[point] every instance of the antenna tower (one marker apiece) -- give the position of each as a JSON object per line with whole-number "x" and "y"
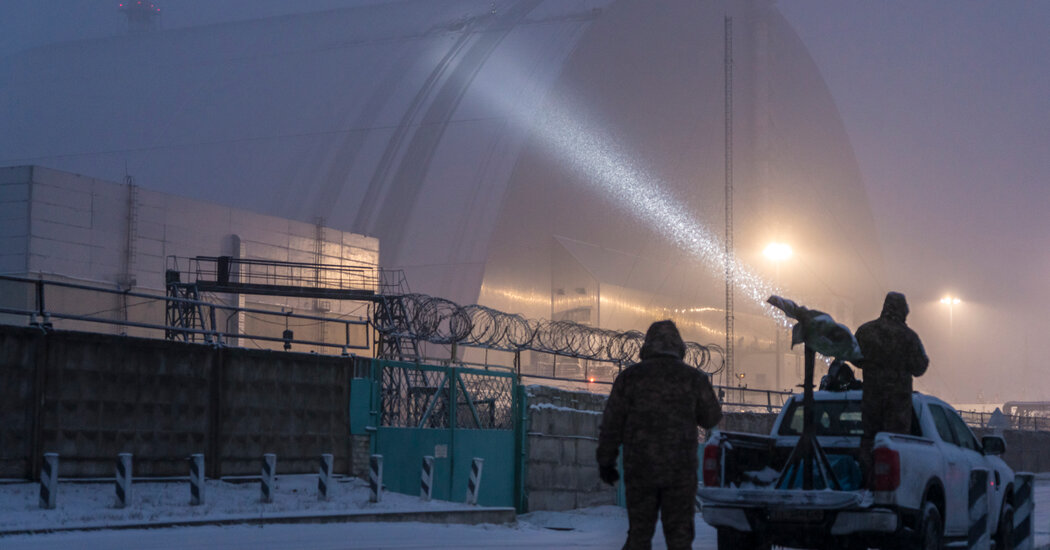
{"x": 729, "y": 198}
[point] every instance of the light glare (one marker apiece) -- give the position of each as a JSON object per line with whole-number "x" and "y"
{"x": 778, "y": 252}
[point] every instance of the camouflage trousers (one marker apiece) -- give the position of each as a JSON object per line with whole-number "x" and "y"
{"x": 676, "y": 508}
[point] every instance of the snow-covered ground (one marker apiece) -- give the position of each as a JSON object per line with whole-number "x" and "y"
{"x": 91, "y": 505}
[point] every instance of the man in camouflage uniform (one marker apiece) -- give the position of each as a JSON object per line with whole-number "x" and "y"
{"x": 893, "y": 354}
{"x": 653, "y": 411}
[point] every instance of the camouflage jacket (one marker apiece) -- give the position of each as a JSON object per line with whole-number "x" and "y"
{"x": 893, "y": 354}
{"x": 653, "y": 410}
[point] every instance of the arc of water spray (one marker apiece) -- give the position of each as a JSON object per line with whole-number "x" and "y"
{"x": 608, "y": 167}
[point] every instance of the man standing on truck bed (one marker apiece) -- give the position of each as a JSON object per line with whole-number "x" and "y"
{"x": 653, "y": 411}
{"x": 893, "y": 354}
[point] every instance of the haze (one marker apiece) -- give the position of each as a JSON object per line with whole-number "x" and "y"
{"x": 945, "y": 105}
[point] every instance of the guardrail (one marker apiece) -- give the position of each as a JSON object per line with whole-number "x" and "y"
{"x": 976, "y": 419}
{"x": 144, "y": 312}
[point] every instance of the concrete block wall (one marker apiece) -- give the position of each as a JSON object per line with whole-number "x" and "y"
{"x": 747, "y": 422}
{"x": 91, "y": 396}
{"x": 561, "y": 472}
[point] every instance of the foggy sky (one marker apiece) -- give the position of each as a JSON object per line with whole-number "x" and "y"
{"x": 945, "y": 104}
{"x": 946, "y": 107}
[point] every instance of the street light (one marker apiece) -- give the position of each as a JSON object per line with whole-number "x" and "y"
{"x": 776, "y": 253}
{"x": 951, "y": 302}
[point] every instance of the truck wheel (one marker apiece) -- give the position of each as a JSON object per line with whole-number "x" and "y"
{"x": 931, "y": 532}
{"x": 1004, "y": 535}
{"x": 731, "y": 539}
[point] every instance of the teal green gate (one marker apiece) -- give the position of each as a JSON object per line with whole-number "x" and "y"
{"x": 454, "y": 414}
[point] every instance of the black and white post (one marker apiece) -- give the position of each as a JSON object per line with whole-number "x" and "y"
{"x": 426, "y": 478}
{"x": 474, "y": 483}
{"x": 196, "y": 479}
{"x": 1023, "y": 536}
{"x": 123, "y": 480}
{"x": 324, "y": 476}
{"x": 978, "y": 536}
{"x": 375, "y": 478}
{"x": 49, "y": 481}
{"x": 266, "y": 485}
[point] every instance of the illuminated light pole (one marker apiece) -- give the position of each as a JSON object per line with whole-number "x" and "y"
{"x": 951, "y": 302}
{"x": 777, "y": 253}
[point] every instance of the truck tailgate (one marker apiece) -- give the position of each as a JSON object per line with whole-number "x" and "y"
{"x": 783, "y": 498}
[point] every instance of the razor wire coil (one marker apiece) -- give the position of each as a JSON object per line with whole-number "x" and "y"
{"x": 442, "y": 321}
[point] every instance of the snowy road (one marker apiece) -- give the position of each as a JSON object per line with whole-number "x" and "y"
{"x": 601, "y": 527}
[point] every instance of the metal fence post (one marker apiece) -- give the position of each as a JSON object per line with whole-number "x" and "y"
{"x": 123, "y": 479}
{"x": 375, "y": 478}
{"x": 426, "y": 478}
{"x": 1023, "y": 535}
{"x": 196, "y": 479}
{"x": 978, "y": 538}
{"x": 474, "y": 483}
{"x": 324, "y": 477}
{"x": 49, "y": 481}
{"x": 268, "y": 468}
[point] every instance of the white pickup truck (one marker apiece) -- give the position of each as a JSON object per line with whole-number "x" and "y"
{"x": 919, "y": 496}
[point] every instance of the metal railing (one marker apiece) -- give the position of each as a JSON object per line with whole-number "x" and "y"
{"x": 42, "y": 304}
{"x": 976, "y": 419}
{"x": 226, "y": 270}
{"x": 45, "y": 307}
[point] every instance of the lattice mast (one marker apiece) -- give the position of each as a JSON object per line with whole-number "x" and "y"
{"x": 729, "y": 197}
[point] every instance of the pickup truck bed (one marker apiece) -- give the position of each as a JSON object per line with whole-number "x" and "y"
{"x": 918, "y": 493}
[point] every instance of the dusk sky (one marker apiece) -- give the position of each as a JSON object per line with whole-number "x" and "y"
{"x": 945, "y": 104}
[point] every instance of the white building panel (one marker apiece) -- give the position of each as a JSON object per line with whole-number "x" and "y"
{"x": 95, "y": 246}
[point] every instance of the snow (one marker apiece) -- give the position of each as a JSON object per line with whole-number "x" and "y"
{"x": 83, "y": 505}
{"x": 562, "y": 408}
{"x": 93, "y": 504}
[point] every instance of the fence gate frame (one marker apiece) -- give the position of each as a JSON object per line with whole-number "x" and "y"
{"x": 412, "y": 412}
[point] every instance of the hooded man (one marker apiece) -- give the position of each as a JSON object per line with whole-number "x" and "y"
{"x": 653, "y": 410}
{"x": 893, "y": 354}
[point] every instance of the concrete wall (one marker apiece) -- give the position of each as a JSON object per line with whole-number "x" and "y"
{"x": 560, "y": 468}
{"x": 89, "y": 397}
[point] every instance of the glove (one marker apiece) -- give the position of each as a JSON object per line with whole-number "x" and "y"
{"x": 609, "y": 474}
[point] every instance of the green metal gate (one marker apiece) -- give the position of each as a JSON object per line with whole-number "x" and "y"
{"x": 454, "y": 414}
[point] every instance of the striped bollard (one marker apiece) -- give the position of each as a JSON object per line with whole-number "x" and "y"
{"x": 324, "y": 476}
{"x": 375, "y": 478}
{"x": 268, "y": 468}
{"x": 123, "y": 480}
{"x": 426, "y": 478}
{"x": 196, "y": 479}
{"x": 474, "y": 483}
{"x": 1024, "y": 538}
{"x": 49, "y": 481}
{"x": 978, "y": 537}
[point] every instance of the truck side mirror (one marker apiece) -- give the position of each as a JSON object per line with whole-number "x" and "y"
{"x": 993, "y": 445}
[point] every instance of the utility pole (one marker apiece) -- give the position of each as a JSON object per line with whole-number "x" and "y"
{"x": 729, "y": 195}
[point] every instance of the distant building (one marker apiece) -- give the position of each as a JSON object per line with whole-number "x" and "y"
{"x": 67, "y": 227}
{"x": 508, "y": 152}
